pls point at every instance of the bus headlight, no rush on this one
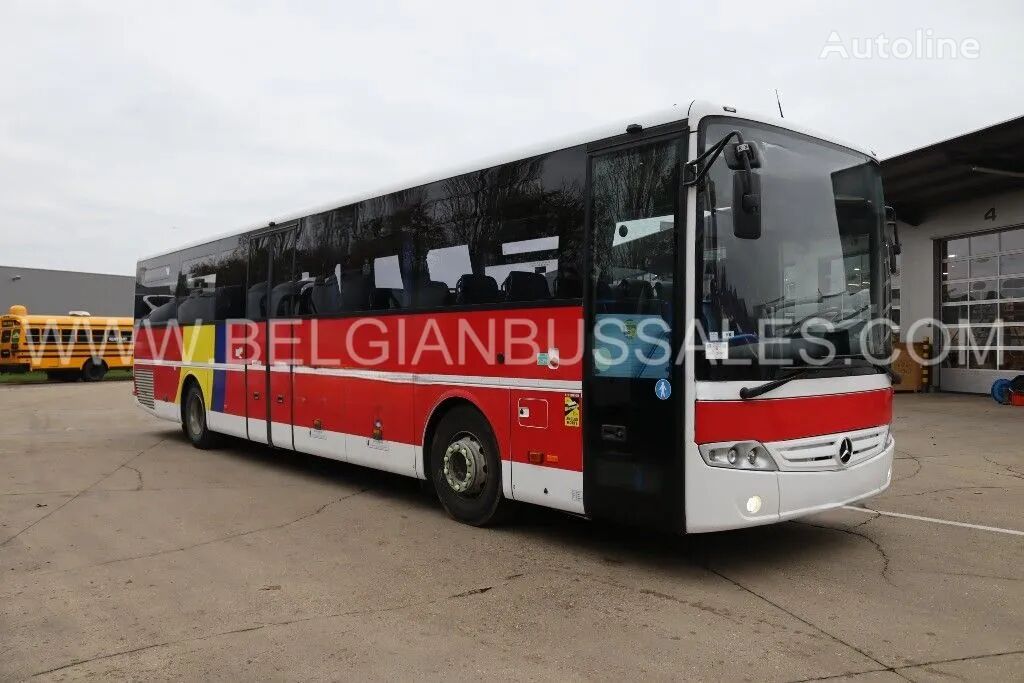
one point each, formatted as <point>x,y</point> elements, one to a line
<point>738,455</point>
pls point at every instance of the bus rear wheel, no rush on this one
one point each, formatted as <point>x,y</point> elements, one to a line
<point>94,370</point>
<point>465,468</point>
<point>193,421</point>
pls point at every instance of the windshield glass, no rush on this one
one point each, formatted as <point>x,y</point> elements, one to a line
<point>805,290</point>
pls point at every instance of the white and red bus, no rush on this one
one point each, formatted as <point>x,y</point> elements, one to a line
<point>671,322</point>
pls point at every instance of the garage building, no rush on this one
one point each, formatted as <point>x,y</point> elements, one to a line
<point>960,212</point>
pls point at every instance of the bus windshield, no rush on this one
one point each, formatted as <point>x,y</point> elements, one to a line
<point>805,291</point>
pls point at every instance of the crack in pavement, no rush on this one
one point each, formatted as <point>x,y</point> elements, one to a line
<point>966,575</point>
<point>74,497</point>
<point>946,490</point>
<point>796,616</point>
<point>287,622</point>
<point>917,461</point>
<point>138,473</point>
<point>219,539</point>
<point>875,544</point>
<point>903,667</point>
<point>1009,470</point>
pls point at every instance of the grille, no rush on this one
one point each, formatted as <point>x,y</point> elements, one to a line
<point>819,452</point>
<point>144,387</point>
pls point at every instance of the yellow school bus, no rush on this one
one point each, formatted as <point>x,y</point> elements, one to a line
<point>65,347</point>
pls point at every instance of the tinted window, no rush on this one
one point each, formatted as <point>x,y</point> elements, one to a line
<point>285,287</point>
<point>197,290</point>
<point>380,269</point>
<point>211,283</point>
<point>510,233</point>
<point>230,273</point>
<point>155,285</point>
<point>321,253</point>
<point>256,295</point>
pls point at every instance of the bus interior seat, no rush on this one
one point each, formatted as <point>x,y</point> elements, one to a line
<point>164,312</point>
<point>639,293</point>
<point>228,301</point>
<point>197,307</point>
<point>304,299</point>
<point>355,291</point>
<point>523,286</point>
<point>472,288</point>
<point>385,298</point>
<point>325,296</point>
<point>256,302</point>
<point>663,294</point>
<point>568,285</point>
<point>284,298</point>
<point>434,294</point>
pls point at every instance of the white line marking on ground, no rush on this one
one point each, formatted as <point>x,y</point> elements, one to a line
<point>1012,532</point>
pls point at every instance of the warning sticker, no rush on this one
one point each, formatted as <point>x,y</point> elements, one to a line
<point>572,410</point>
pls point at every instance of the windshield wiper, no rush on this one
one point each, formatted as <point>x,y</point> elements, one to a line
<point>754,392</point>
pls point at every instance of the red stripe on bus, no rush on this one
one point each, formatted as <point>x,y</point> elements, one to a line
<point>781,419</point>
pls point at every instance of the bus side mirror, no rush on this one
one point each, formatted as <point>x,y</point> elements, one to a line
<point>746,205</point>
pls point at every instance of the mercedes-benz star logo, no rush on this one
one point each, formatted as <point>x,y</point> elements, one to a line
<point>845,451</point>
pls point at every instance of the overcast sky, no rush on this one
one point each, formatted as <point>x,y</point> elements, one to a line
<point>128,128</point>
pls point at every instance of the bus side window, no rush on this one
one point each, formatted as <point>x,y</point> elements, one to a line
<point>511,233</point>
<point>320,252</point>
<point>381,266</point>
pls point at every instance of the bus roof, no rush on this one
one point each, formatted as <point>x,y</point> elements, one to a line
<point>697,110</point>
<point>61,320</point>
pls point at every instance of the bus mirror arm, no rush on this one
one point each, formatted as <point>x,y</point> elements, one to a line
<point>742,157</point>
<point>893,238</point>
<point>695,171</point>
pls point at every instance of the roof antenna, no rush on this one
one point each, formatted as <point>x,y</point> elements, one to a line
<point>779,102</point>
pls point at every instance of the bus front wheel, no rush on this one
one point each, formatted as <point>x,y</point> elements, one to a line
<point>465,468</point>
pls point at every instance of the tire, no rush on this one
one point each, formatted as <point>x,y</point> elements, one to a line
<point>193,419</point>
<point>465,467</point>
<point>93,370</point>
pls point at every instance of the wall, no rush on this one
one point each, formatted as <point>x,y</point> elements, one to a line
<point>55,292</point>
<point>918,271</point>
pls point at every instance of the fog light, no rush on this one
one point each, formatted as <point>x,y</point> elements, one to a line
<point>738,455</point>
<point>754,504</point>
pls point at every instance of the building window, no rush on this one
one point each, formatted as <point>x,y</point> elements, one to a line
<point>983,300</point>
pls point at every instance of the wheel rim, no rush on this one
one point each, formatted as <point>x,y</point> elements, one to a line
<point>464,466</point>
<point>195,416</point>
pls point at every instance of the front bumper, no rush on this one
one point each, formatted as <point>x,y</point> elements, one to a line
<point>717,498</point>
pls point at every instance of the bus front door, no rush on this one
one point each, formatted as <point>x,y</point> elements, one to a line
<point>632,392</point>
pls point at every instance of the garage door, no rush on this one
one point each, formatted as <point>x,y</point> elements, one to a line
<point>982,290</point>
